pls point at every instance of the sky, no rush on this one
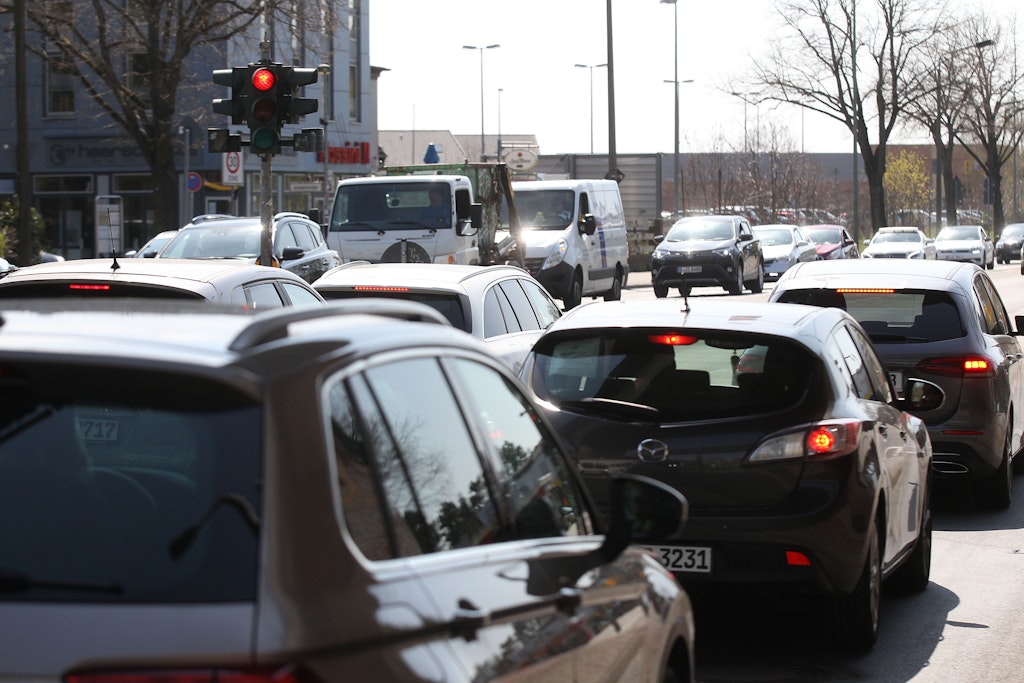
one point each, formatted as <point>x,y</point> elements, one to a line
<point>532,86</point>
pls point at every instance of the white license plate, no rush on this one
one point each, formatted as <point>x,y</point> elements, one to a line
<point>688,269</point>
<point>97,430</point>
<point>681,558</point>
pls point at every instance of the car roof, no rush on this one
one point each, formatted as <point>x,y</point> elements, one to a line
<point>806,324</point>
<point>225,221</point>
<point>414,275</point>
<point>169,333</point>
<point>896,273</point>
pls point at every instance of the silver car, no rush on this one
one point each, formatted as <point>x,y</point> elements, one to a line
<point>349,492</point>
<point>900,242</point>
<point>944,322</point>
<point>970,243</point>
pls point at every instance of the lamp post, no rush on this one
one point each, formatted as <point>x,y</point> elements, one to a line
<point>591,67</point>
<point>483,149</point>
<point>500,90</point>
<point>757,103</point>
<point>675,159</point>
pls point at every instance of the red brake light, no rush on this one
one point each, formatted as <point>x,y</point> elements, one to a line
<point>957,366</point>
<point>79,287</point>
<point>795,558</point>
<point>865,290</point>
<point>379,288</point>
<point>833,439</point>
<point>672,339</point>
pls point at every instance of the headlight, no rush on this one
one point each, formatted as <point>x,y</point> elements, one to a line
<point>724,252</point>
<point>556,256</point>
<point>657,256</point>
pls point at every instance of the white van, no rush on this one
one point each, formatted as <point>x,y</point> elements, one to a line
<point>575,237</point>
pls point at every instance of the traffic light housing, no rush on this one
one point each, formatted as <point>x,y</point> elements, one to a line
<point>234,78</point>
<point>264,108</point>
<point>292,107</point>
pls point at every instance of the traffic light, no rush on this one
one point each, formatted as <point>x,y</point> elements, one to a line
<point>235,79</point>
<point>292,107</point>
<point>264,115</point>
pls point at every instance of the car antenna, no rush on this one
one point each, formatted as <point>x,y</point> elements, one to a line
<point>115,266</point>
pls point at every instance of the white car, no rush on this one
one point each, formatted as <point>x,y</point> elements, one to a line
<point>502,305</point>
<point>970,243</point>
<point>783,246</point>
<point>900,242</point>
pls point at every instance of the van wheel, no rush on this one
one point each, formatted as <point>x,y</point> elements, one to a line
<point>574,295</point>
<point>615,293</point>
<point>660,291</point>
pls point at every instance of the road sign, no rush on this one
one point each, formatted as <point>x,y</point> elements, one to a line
<point>195,181</point>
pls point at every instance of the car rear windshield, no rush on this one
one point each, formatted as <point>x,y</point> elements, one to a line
<point>447,305</point>
<point>92,290</point>
<point>890,316</point>
<point>672,375</point>
<point>119,489</point>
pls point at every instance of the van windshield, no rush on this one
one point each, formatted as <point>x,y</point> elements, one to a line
<point>542,209</point>
<point>392,206</point>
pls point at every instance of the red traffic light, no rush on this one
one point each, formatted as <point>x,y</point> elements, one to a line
<point>263,79</point>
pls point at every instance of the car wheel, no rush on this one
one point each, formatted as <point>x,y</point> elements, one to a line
<point>758,285</point>
<point>855,616</point>
<point>574,295</point>
<point>737,286</point>
<point>995,493</point>
<point>660,291</point>
<point>915,573</point>
<point>991,264</point>
<point>615,293</point>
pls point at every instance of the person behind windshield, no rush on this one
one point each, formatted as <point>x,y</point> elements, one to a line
<point>560,211</point>
<point>437,214</point>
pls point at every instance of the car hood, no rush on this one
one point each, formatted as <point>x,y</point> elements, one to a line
<point>826,248</point>
<point>946,245</point>
<point>539,243</point>
<point>893,248</point>
<point>693,245</point>
<point>777,250</point>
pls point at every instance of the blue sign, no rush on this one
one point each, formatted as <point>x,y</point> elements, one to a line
<point>195,181</point>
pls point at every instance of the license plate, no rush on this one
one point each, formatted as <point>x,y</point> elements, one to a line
<point>896,377</point>
<point>97,430</point>
<point>688,269</point>
<point>681,558</point>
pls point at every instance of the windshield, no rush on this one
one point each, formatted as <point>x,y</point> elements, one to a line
<point>959,232</point>
<point>896,237</point>
<point>774,237</point>
<point>112,489</point>
<point>824,236</point>
<point>392,206</point>
<point>701,229</point>
<point>216,241</point>
<point>542,209</point>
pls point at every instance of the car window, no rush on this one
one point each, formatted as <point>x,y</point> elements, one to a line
<point>262,295</point>
<point>448,305</point>
<point>432,485</point>
<point>111,484</point>
<point>863,383</point>
<point>544,499</point>
<point>876,374</point>
<point>498,316</point>
<point>681,376</point>
<point>284,237</point>
<point>302,235</point>
<point>546,309</point>
<point>993,315</point>
<point>521,306</point>
<point>298,295</point>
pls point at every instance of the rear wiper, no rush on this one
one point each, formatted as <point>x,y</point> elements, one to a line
<point>610,405</point>
<point>18,582</point>
<point>888,337</point>
<point>182,541</point>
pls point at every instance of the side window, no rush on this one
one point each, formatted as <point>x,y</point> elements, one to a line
<point>433,489</point>
<point>873,366</point>
<point>299,296</point>
<point>284,238</point>
<point>855,365</point>
<point>316,237</point>
<point>494,319</point>
<point>544,498</point>
<point>521,307</point>
<point>585,205</point>
<point>547,310</point>
<point>262,295</point>
<point>302,236</point>
<point>993,313</point>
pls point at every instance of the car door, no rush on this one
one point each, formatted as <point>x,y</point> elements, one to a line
<point>999,331</point>
<point>750,248</point>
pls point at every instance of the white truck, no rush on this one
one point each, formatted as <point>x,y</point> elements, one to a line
<point>426,214</point>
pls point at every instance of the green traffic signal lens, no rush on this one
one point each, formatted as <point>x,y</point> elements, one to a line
<point>264,139</point>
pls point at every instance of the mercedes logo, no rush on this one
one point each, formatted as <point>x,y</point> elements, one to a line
<point>652,450</point>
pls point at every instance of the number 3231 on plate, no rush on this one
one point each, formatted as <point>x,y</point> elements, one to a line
<point>681,558</point>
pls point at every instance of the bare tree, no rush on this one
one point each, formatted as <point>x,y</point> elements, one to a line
<point>990,87</point>
<point>134,60</point>
<point>819,65</point>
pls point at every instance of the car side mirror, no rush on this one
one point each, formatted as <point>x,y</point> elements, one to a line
<point>920,394</point>
<point>746,237</point>
<point>292,253</point>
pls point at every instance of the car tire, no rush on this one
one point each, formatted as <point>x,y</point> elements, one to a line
<point>615,293</point>
<point>660,291</point>
<point>855,616</point>
<point>914,575</point>
<point>737,286</point>
<point>574,294</point>
<point>996,492</point>
<point>758,285</point>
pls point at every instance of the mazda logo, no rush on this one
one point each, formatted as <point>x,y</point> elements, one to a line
<point>652,450</point>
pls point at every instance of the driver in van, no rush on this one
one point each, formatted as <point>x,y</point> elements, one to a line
<point>437,213</point>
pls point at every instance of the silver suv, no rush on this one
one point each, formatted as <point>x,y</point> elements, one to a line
<point>355,491</point>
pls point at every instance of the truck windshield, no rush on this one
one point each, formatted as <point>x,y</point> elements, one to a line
<point>392,206</point>
<point>542,209</point>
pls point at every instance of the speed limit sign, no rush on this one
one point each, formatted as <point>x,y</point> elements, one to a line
<point>231,170</point>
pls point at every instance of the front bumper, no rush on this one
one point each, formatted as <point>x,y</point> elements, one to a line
<point>702,271</point>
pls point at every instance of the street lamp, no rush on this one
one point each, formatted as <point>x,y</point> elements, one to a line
<point>756,103</point>
<point>675,82</point>
<point>591,67</point>
<point>675,158</point>
<point>483,149</point>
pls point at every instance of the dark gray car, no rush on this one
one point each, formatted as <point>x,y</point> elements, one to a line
<point>350,492</point>
<point>708,251</point>
<point>944,322</point>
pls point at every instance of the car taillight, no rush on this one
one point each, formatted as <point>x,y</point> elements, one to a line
<point>815,442</point>
<point>957,366</point>
<point>379,288</point>
<point>281,674</point>
<point>672,339</point>
<point>80,287</point>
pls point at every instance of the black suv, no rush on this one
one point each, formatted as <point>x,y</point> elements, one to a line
<point>708,251</point>
<point>298,244</point>
<point>352,491</point>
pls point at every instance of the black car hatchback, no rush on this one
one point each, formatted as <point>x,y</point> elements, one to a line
<point>802,470</point>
